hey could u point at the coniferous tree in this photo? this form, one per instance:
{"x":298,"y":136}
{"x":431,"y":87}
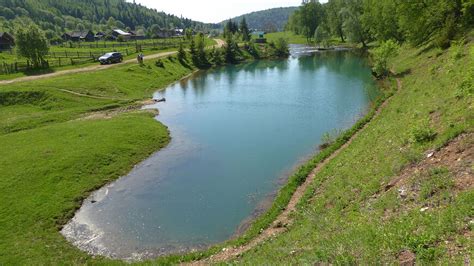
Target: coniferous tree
{"x":244,"y":30}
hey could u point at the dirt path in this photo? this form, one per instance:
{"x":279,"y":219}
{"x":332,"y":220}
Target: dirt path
{"x":98,"y":67}
{"x":284,"y":218}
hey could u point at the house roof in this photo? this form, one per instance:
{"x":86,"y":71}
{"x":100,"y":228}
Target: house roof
{"x":121,"y":32}
{"x":6,"y":34}
{"x":78,"y":34}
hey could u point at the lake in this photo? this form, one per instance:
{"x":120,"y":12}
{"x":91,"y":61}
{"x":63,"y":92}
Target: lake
{"x":237,"y":133}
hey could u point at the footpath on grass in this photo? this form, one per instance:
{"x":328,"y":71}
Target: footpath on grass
{"x":219,"y":44}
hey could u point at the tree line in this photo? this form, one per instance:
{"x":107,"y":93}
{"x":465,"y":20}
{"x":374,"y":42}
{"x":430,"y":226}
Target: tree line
{"x":233,"y":52}
{"x":55,"y":17}
{"x":363,"y":21}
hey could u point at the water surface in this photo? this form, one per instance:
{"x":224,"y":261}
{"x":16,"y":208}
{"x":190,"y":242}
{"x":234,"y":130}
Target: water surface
{"x":237,"y":132}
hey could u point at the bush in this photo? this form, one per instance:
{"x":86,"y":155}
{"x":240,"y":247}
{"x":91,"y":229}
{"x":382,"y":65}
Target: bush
{"x":423,"y":134}
{"x":159,"y":63}
{"x":381,"y":56}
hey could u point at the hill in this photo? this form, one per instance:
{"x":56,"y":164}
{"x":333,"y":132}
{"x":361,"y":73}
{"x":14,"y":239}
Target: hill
{"x":59,"y":16}
{"x":269,"y":20}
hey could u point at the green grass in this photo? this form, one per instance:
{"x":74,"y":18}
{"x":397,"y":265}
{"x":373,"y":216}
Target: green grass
{"x":51,"y":158}
{"x":339,"y":223}
{"x":8,"y":58}
{"x":289,"y":36}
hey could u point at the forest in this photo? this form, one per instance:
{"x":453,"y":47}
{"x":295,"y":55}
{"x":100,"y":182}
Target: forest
{"x":58,"y":16}
{"x":269,"y":20}
{"x":362,"y":21}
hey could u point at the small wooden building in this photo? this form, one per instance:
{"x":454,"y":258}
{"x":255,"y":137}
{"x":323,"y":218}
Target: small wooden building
{"x":78,"y":36}
{"x":137,"y":35}
{"x":120,"y":33}
{"x":260,"y":37}
{"x":6,"y":41}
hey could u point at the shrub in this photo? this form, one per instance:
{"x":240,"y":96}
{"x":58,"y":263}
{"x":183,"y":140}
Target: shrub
{"x":159,"y":63}
{"x":423,"y":134}
{"x":381,"y":56}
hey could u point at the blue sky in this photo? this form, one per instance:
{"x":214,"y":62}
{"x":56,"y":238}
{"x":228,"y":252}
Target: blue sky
{"x":214,"y":10}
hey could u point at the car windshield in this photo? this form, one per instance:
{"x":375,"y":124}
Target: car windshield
{"x":108,"y":54}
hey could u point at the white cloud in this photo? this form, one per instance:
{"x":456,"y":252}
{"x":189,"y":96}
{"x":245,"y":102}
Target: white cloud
{"x":214,"y":10}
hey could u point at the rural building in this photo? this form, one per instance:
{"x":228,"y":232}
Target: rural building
{"x":79,"y":36}
{"x":120,"y":33}
{"x":137,"y":35}
{"x":179,"y":32}
{"x":6,"y":41}
{"x":260,"y":37}
{"x":99,"y":36}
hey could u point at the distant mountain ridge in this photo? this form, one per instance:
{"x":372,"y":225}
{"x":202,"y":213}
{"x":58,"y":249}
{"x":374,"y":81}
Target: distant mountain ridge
{"x":273,"y":19}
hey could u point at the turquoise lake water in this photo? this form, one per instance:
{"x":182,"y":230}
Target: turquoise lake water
{"x":237,"y":133}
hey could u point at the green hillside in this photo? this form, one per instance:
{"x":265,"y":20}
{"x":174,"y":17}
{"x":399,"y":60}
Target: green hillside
{"x":269,"y":20}
{"x":59,"y":16}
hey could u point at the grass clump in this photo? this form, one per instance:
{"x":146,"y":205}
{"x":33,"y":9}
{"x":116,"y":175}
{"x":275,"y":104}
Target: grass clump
{"x":423,"y":134}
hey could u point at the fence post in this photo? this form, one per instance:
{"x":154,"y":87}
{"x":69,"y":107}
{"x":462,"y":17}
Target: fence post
{"x":78,"y":54}
{"x":16,"y":66}
{"x":66,"y":53}
{"x":72,"y":61}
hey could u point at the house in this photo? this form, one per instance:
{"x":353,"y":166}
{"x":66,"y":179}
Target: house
{"x":137,"y":35}
{"x":99,"y":36}
{"x":179,"y":32}
{"x":260,"y":37}
{"x":118,"y":33}
{"x":79,"y":36}
{"x":6,"y":41}
{"x":163,"y":33}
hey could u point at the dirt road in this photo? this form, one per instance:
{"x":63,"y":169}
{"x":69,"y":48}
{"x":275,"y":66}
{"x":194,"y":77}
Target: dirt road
{"x":97,"y":67}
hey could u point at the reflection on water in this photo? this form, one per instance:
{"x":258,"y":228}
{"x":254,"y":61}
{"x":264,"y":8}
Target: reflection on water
{"x":236,"y":131}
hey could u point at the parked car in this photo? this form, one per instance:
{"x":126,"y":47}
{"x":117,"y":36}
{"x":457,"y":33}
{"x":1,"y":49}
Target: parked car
{"x":110,"y":58}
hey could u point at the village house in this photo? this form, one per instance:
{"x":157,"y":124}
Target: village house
{"x":6,"y":41}
{"x":136,"y":35}
{"x":118,"y":33}
{"x":79,"y":36}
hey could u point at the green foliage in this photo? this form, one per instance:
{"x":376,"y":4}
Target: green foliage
{"x":216,"y":57}
{"x":270,"y":20}
{"x":97,"y":15}
{"x":253,"y":49}
{"x":438,"y":181}
{"x":382,"y":55}
{"x":280,"y":48}
{"x":159,"y":63}
{"x":423,"y":134}
{"x":244,"y":30}
{"x":181,"y":53}
{"x":231,"y":50}
{"x":322,"y":35}
{"x":31,"y":43}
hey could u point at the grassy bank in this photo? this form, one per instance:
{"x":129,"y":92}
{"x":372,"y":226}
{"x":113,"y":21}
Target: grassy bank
{"x":348,"y":218}
{"x":64,"y":137}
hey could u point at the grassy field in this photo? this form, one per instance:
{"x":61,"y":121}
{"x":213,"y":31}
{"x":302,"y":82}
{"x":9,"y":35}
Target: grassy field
{"x":11,"y":57}
{"x":345,"y":219}
{"x":287,"y":35}
{"x":53,"y":155}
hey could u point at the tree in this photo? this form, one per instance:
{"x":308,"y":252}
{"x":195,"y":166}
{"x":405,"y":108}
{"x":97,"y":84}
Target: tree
{"x":321,"y":35}
{"x":31,"y":43}
{"x":193,"y":52}
{"x":216,"y":56}
{"x":381,"y":56}
{"x":201,"y":52}
{"x":281,"y":48}
{"x":230,"y":50}
{"x":335,"y":19}
{"x":181,"y":53}
{"x":352,"y":13}
{"x":244,"y":29}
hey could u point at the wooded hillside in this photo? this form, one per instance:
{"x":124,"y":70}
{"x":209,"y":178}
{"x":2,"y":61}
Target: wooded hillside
{"x":267,"y":20}
{"x":58,"y":16}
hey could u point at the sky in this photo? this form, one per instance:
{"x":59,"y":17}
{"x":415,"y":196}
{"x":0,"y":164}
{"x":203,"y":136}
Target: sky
{"x":214,"y":11}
